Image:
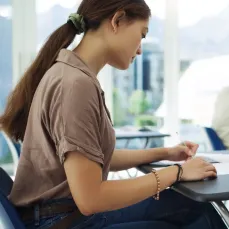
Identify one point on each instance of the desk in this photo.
(129, 135)
(214, 191)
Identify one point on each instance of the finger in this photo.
(186, 150)
(201, 159)
(195, 148)
(204, 160)
(192, 146)
(189, 144)
(206, 163)
(210, 168)
(210, 174)
(189, 158)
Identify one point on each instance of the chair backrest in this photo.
(9, 218)
(6, 182)
(18, 148)
(12, 146)
(216, 142)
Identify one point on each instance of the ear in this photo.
(116, 19)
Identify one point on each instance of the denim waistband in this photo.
(36, 208)
(59, 200)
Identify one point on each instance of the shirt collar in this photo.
(72, 59)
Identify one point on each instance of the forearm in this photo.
(123, 193)
(125, 159)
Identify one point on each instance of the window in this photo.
(6, 50)
(51, 15)
(204, 54)
(5, 74)
(144, 92)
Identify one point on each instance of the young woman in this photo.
(58, 110)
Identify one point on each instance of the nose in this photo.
(139, 51)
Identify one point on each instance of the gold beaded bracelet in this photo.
(157, 196)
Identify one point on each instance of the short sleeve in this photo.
(76, 125)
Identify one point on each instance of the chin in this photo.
(121, 66)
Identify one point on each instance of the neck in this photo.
(92, 51)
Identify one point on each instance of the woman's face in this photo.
(124, 43)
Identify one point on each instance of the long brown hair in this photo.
(13, 121)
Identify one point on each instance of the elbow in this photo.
(86, 208)
(86, 211)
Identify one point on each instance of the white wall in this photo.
(24, 35)
(171, 69)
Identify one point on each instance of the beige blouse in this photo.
(68, 113)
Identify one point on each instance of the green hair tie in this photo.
(78, 22)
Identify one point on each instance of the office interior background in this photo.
(171, 87)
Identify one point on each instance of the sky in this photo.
(190, 11)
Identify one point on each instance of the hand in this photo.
(197, 169)
(182, 152)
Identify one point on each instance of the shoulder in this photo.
(75, 82)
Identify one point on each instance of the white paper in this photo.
(222, 168)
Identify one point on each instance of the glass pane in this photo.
(5, 73)
(51, 15)
(6, 51)
(138, 92)
(141, 87)
(204, 56)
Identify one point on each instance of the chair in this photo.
(9, 218)
(216, 142)
(18, 148)
(14, 149)
(6, 182)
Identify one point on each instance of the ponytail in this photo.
(91, 13)
(14, 119)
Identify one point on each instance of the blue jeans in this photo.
(172, 211)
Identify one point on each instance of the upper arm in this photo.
(75, 126)
(84, 178)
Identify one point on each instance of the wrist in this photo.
(172, 174)
(167, 153)
(176, 171)
(179, 173)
